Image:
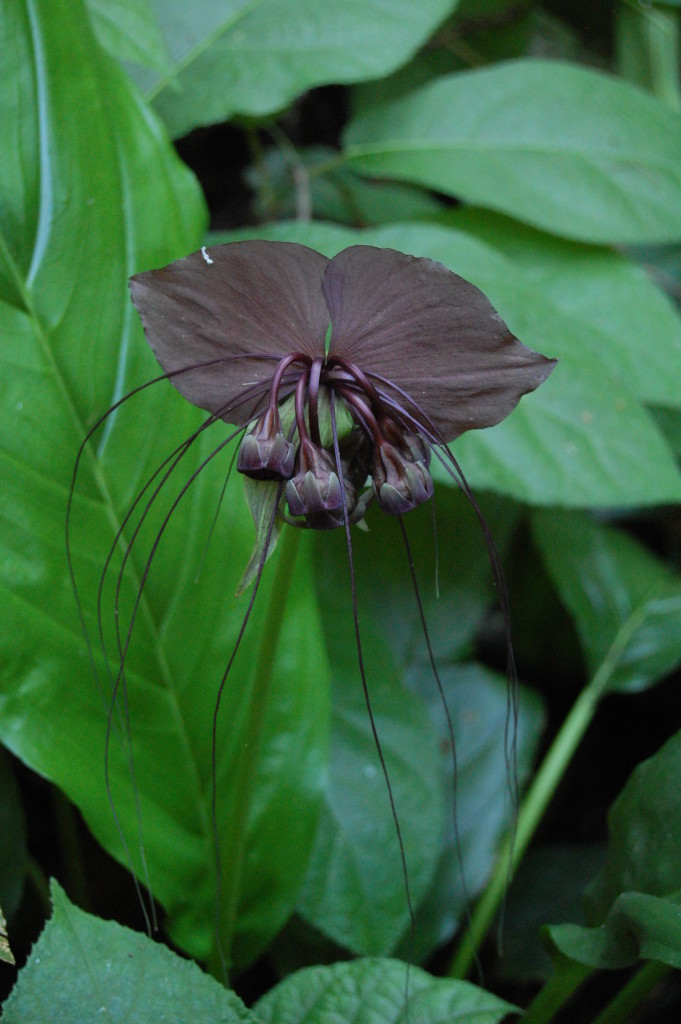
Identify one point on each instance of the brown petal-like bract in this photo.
(218, 312)
(433, 335)
(427, 339)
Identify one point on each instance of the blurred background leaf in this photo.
(256, 56)
(558, 146)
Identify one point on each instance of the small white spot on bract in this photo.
(205, 255)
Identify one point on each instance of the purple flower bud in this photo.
(315, 488)
(265, 454)
(399, 483)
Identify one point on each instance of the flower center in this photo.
(337, 443)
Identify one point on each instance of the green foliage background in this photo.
(567, 179)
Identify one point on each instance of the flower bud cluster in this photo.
(321, 489)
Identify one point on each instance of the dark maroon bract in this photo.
(341, 370)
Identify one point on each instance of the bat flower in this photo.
(343, 372)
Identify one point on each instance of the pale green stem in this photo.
(620, 1009)
(245, 771)
(539, 795)
(567, 977)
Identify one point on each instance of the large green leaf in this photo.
(355, 890)
(625, 602)
(377, 992)
(644, 833)
(129, 30)
(637, 894)
(638, 927)
(92, 198)
(583, 438)
(353, 882)
(481, 813)
(255, 56)
(561, 147)
(82, 969)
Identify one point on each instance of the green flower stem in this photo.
(619, 1010)
(233, 851)
(539, 795)
(567, 977)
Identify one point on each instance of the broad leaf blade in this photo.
(82, 968)
(355, 890)
(638, 927)
(255, 56)
(619, 595)
(128, 30)
(561, 147)
(482, 814)
(624, 317)
(377, 992)
(636, 896)
(644, 826)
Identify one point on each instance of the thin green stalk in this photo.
(631, 995)
(567, 977)
(539, 796)
(245, 771)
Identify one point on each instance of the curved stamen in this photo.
(362, 379)
(277, 376)
(313, 399)
(364, 412)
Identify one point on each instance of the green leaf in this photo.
(355, 888)
(478, 704)
(644, 827)
(256, 56)
(377, 992)
(625, 603)
(638, 927)
(82, 968)
(561, 147)
(583, 438)
(612, 301)
(549, 886)
(354, 878)
(637, 895)
(103, 195)
(129, 31)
